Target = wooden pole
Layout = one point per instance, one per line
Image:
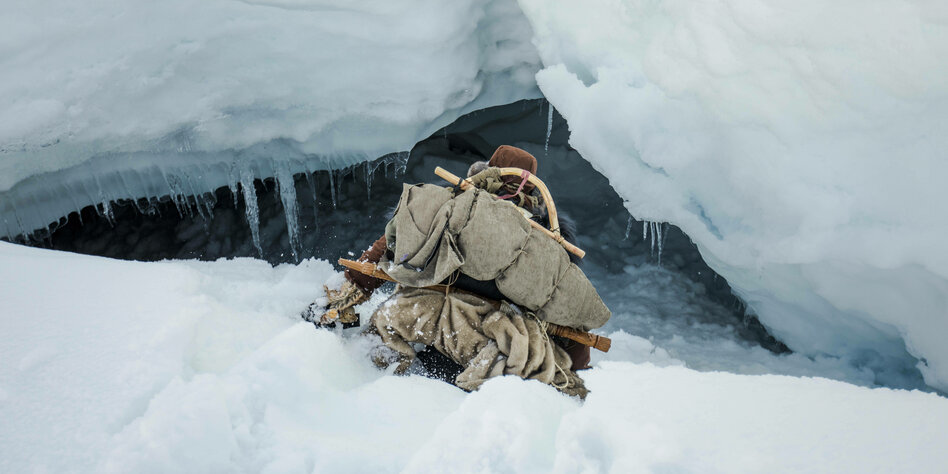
(553, 234)
(601, 343)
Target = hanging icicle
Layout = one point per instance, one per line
(549, 128)
(250, 207)
(286, 186)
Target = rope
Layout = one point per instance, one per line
(544, 328)
(524, 176)
(452, 280)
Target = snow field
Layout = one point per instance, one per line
(89, 342)
(115, 366)
(800, 146)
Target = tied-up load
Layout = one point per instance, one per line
(435, 233)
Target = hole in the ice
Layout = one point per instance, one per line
(647, 270)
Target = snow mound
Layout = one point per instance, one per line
(116, 366)
(801, 147)
(328, 76)
(131, 99)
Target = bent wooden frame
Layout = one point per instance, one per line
(554, 230)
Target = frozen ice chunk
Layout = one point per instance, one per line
(803, 153)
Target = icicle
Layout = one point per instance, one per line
(549, 127)
(368, 181)
(652, 230)
(20, 231)
(106, 212)
(628, 228)
(198, 205)
(175, 192)
(138, 206)
(401, 163)
(128, 192)
(209, 200)
(661, 242)
(142, 185)
(104, 203)
(72, 196)
(6, 229)
(158, 206)
(287, 188)
(205, 202)
(250, 205)
(202, 209)
(232, 179)
(332, 187)
(311, 179)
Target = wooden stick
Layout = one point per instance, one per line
(585, 338)
(554, 222)
(602, 343)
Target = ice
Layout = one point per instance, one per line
(250, 206)
(182, 89)
(206, 366)
(311, 181)
(800, 146)
(332, 187)
(287, 187)
(368, 180)
(549, 128)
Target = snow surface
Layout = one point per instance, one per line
(801, 146)
(116, 99)
(177, 366)
(331, 76)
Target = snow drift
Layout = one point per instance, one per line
(117, 100)
(801, 146)
(206, 367)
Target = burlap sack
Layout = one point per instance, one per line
(486, 340)
(433, 234)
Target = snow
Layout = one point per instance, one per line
(800, 146)
(112, 98)
(663, 318)
(173, 366)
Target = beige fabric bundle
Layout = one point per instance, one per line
(486, 341)
(433, 234)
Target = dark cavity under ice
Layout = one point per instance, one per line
(337, 213)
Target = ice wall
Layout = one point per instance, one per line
(192, 90)
(802, 146)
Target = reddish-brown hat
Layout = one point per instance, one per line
(507, 156)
